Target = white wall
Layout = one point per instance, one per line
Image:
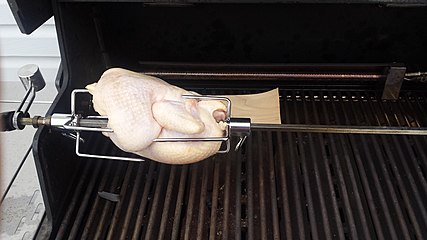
(18, 49)
(21, 211)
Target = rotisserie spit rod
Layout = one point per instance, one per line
(240, 124)
(308, 128)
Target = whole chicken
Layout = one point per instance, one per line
(141, 108)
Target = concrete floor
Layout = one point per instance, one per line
(22, 208)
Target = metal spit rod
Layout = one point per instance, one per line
(307, 128)
(101, 123)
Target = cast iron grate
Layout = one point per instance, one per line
(281, 185)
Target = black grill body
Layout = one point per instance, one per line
(279, 185)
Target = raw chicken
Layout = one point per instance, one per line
(141, 108)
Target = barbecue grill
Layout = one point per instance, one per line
(342, 68)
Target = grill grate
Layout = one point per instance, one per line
(281, 185)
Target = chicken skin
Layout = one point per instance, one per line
(141, 108)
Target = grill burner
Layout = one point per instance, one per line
(293, 185)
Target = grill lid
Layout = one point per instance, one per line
(29, 15)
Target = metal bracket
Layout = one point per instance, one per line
(393, 82)
(241, 127)
(71, 122)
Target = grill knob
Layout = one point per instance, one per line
(33, 82)
(30, 73)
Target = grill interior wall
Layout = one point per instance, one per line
(91, 38)
(288, 185)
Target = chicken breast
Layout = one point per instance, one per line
(141, 108)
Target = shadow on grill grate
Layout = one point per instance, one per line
(287, 185)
